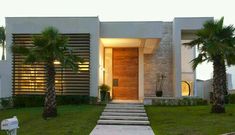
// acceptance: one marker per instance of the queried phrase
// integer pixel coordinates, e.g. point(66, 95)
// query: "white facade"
point(146, 36)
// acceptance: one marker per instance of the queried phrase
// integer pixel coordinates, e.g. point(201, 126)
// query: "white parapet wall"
point(5, 78)
point(0, 87)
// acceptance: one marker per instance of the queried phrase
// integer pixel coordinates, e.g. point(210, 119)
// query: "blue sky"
point(125, 10)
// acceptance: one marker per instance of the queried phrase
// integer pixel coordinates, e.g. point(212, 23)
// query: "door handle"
point(115, 82)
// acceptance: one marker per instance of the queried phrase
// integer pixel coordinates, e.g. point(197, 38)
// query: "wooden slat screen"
point(30, 79)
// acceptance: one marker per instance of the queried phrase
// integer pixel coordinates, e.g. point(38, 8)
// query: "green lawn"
point(190, 120)
point(72, 120)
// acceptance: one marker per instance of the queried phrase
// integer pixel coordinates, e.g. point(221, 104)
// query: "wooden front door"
point(125, 73)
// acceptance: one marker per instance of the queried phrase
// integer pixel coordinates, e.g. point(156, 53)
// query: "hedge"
point(6, 103)
point(228, 99)
point(38, 100)
point(232, 98)
point(180, 102)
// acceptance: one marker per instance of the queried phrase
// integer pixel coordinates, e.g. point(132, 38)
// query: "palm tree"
point(49, 47)
point(216, 44)
point(2, 41)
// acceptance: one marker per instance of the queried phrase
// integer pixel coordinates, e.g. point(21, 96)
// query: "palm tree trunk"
point(50, 109)
point(219, 86)
point(3, 51)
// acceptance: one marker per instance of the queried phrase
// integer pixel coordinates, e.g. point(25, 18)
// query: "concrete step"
point(126, 104)
point(137, 118)
point(123, 114)
point(124, 110)
point(124, 107)
point(122, 122)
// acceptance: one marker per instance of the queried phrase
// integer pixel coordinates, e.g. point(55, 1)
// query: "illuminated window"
point(187, 89)
point(30, 79)
point(83, 66)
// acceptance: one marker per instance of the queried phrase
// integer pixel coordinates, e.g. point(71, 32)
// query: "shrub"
point(38, 100)
point(28, 100)
point(6, 102)
point(159, 93)
point(104, 87)
point(232, 98)
point(179, 102)
point(226, 98)
point(72, 99)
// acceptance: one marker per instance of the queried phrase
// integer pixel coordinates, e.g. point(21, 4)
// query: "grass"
point(72, 120)
point(190, 120)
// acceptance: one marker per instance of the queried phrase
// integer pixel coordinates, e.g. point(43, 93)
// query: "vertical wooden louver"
point(30, 79)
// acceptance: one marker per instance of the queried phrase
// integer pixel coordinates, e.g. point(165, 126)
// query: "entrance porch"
point(122, 66)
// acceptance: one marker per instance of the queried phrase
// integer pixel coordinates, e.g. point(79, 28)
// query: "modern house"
point(134, 58)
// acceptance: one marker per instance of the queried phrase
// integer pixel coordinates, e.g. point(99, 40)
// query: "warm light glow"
point(102, 68)
point(27, 79)
point(56, 62)
point(121, 42)
point(83, 66)
point(186, 88)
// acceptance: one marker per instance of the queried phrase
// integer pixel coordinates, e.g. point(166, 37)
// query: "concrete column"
point(141, 73)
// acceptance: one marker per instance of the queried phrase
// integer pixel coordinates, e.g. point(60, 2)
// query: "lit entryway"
point(122, 65)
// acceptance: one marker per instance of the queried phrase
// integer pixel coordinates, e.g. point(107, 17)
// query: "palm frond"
point(71, 61)
point(219, 24)
point(193, 43)
point(30, 59)
point(39, 41)
point(50, 32)
point(226, 35)
point(198, 60)
point(214, 40)
point(20, 50)
point(2, 34)
point(230, 59)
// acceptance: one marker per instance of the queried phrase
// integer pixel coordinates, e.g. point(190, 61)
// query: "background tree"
point(49, 47)
point(2, 41)
point(216, 44)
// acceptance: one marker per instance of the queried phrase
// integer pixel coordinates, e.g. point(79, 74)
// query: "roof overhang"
point(148, 44)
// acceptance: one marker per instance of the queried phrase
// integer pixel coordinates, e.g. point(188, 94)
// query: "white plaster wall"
point(0, 87)
point(65, 25)
point(101, 63)
point(200, 89)
point(187, 55)
point(229, 81)
point(231, 70)
point(5, 78)
point(187, 73)
point(108, 68)
point(131, 29)
point(180, 24)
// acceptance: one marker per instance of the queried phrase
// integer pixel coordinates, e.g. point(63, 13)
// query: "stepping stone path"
point(123, 119)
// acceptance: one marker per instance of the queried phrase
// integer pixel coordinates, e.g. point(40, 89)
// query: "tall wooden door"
point(125, 73)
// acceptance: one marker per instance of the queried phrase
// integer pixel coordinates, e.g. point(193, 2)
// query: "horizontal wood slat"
point(30, 79)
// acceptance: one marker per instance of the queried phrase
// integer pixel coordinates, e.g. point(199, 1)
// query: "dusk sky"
point(125, 10)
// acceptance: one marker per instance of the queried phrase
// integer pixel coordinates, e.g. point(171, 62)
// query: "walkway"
point(123, 119)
